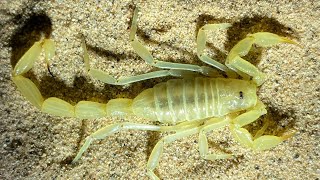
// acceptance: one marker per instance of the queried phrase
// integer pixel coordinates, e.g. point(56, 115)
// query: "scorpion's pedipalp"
point(266, 39)
point(260, 132)
point(267, 141)
point(240, 134)
point(201, 43)
point(251, 115)
point(259, 142)
point(241, 66)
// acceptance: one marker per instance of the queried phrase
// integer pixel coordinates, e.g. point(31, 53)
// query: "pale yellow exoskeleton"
point(190, 105)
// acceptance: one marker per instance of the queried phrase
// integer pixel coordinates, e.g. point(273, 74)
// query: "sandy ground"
point(35, 145)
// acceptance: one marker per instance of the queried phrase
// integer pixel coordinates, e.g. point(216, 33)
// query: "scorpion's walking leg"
point(146, 55)
point(176, 69)
point(201, 43)
point(111, 129)
point(212, 124)
point(245, 138)
point(158, 148)
point(243, 67)
point(106, 78)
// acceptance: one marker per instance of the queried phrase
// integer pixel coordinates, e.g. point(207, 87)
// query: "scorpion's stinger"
point(49, 50)
point(25, 63)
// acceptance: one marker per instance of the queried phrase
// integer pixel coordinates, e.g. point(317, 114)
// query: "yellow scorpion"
point(191, 105)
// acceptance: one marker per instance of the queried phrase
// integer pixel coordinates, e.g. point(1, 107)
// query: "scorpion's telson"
point(191, 105)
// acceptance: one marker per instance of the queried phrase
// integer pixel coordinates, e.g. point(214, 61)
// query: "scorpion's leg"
point(146, 55)
point(243, 67)
point(211, 125)
point(176, 69)
point(106, 78)
point(245, 138)
point(111, 129)
point(158, 148)
point(201, 43)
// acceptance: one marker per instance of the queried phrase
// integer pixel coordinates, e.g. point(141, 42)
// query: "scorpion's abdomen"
point(188, 99)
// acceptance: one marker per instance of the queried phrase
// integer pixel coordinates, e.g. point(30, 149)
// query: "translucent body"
point(180, 100)
point(193, 105)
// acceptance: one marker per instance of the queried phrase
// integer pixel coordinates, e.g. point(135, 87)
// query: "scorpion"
point(189, 105)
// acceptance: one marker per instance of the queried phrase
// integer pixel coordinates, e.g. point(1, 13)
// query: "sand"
point(35, 145)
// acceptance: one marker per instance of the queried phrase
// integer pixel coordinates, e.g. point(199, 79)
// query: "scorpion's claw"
point(266, 39)
point(244, 68)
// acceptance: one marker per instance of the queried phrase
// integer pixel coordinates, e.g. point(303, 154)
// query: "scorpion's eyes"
point(241, 94)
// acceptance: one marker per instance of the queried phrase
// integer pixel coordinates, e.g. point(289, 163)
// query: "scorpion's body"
point(180, 100)
point(190, 105)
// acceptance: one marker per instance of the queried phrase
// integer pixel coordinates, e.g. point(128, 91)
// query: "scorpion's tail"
point(82, 110)
point(119, 107)
point(56, 106)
